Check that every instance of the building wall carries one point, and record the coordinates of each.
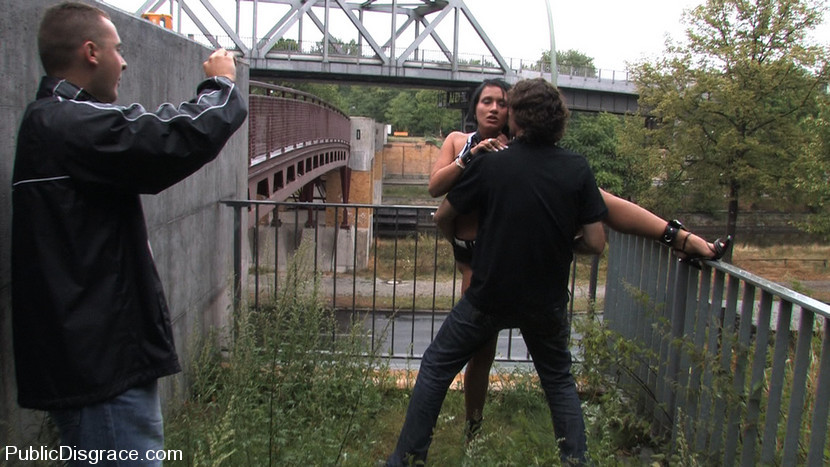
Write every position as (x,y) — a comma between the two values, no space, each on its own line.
(190,231)
(409,159)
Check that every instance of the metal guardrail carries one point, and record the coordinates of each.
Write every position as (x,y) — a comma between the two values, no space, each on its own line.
(727,364)
(293,138)
(388,268)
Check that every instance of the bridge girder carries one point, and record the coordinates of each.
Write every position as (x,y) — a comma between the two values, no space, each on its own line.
(422,18)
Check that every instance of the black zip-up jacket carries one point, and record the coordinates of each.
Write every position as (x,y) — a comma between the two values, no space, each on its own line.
(89,315)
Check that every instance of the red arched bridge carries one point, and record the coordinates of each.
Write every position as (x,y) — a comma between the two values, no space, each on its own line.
(294,138)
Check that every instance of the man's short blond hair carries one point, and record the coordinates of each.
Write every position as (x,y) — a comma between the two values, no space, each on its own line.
(63,29)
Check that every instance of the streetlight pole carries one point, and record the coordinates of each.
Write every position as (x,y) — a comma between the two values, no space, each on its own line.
(554,74)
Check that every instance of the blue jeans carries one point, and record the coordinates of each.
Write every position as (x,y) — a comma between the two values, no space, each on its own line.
(129,421)
(463,332)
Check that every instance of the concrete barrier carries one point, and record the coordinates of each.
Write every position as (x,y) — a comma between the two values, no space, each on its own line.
(189,230)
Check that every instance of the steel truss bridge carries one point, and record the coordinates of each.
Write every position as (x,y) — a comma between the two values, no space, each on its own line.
(414,43)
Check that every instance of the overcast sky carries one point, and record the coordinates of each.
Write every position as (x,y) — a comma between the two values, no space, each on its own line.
(612,32)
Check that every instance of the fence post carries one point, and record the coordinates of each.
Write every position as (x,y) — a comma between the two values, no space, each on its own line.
(237,257)
(677,304)
(592,288)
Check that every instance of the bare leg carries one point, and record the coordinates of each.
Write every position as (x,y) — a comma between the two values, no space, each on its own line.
(477,374)
(627,217)
(476,380)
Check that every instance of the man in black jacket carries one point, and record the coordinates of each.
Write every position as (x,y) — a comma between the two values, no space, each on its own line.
(91,325)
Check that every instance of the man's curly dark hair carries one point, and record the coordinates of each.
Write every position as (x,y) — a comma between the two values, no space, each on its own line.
(537,107)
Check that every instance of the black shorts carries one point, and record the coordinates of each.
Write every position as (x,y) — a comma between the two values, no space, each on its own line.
(462,250)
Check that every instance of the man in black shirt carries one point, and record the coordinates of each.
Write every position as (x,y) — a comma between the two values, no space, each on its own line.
(533,198)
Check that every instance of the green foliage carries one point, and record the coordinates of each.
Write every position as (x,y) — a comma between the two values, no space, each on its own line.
(290,378)
(417,112)
(286,45)
(329,93)
(401,111)
(367,101)
(569,62)
(729,106)
(595,137)
(337,47)
(609,382)
(292,386)
(810,173)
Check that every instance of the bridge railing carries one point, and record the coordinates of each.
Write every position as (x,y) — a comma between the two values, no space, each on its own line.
(485,63)
(281,120)
(737,366)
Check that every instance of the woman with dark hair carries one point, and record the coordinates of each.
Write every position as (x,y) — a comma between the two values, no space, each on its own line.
(489,112)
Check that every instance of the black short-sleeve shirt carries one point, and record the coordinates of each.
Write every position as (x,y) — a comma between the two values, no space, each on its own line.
(532,200)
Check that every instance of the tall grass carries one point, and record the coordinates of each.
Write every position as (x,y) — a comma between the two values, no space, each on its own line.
(426,255)
(290,388)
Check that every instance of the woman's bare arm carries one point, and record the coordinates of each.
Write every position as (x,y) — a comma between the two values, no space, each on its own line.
(444,172)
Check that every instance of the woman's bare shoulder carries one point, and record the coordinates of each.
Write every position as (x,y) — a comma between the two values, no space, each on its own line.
(456,139)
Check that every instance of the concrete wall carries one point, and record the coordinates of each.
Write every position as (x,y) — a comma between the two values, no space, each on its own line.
(189,230)
(405,159)
(362,144)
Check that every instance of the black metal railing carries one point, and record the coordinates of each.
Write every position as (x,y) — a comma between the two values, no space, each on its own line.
(384,265)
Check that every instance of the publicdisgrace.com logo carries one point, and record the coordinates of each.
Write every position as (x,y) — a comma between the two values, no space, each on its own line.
(91,456)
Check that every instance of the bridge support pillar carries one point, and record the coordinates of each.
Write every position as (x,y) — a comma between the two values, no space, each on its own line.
(307,196)
(345,183)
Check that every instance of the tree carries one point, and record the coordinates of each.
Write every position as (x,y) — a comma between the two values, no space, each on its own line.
(431,119)
(401,111)
(367,101)
(417,112)
(337,47)
(570,62)
(595,136)
(328,93)
(810,174)
(286,45)
(729,106)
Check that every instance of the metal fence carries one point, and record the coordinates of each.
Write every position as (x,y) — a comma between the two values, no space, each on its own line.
(383,265)
(736,366)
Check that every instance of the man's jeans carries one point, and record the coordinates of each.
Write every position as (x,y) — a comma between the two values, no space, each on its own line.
(129,421)
(463,332)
